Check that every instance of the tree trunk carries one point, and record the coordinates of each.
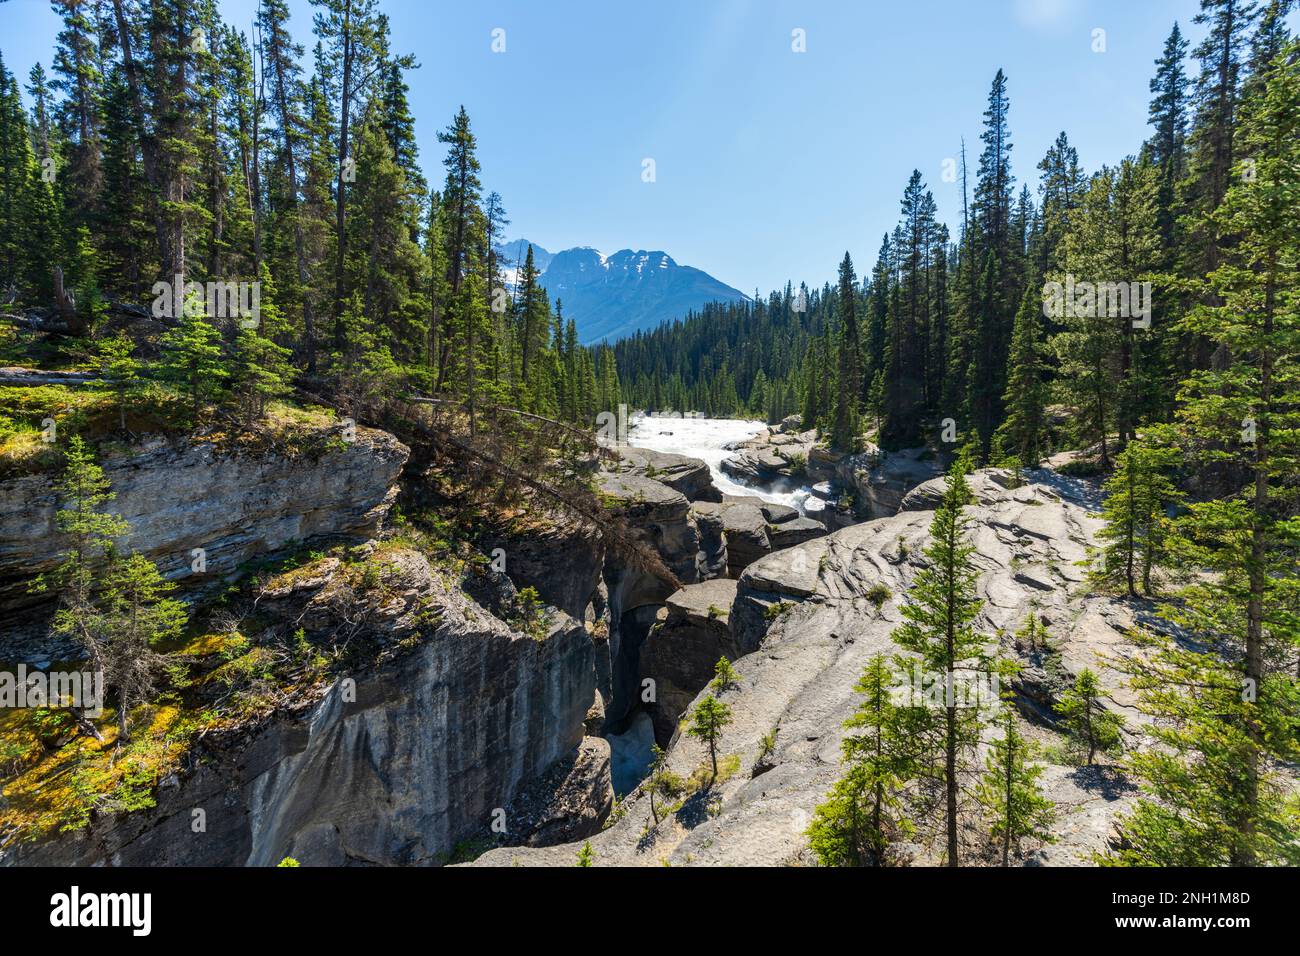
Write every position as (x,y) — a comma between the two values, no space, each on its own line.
(339,203)
(286,125)
(1007,783)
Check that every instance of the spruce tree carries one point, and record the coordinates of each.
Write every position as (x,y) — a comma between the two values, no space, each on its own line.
(91,532)
(140,615)
(938,628)
(259,372)
(1022,435)
(192,358)
(1009,790)
(1240,420)
(1092,728)
(1138,493)
(707,719)
(864,811)
(465,309)
(1168,115)
(1207,798)
(725,676)
(118,366)
(848,383)
(993,291)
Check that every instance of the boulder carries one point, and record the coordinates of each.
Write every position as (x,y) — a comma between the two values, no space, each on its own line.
(713,542)
(771,455)
(689,476)
(987,485)
(776,514)
(746,531)
(796,531)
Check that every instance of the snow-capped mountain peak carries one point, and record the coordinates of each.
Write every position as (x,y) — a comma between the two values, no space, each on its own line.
(612,296)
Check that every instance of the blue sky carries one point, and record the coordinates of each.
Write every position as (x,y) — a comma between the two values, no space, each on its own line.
(769,163)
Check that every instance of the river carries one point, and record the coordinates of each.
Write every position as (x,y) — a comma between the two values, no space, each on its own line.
(706,439)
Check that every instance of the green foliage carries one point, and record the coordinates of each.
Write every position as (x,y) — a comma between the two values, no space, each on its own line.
(707,720)
(724,676)
(1137,496)
(1201,804)
(531,613)
(116,364)
(1092,728)
(661,782)
(192,359)
(1226,713)
(1009,790)
(114,603)
(938,628)
(864,811)
(1033,634)
(1022,434)
(586,855)
(776,609)
(848,385)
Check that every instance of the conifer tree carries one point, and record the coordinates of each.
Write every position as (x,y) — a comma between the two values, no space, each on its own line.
(992,289)
(660,781)
(259,373)
(281,79)
(77,67)
(1138,493)
(123,221)
(113,604)
(83,491)
(725,676)
(1009,790)
(849,381)
(140,615)
(1092,728)
(938,628)
(707,719)
(1240,418)
(192,358)
(864,810)
(118,366)
(1088,346)
(1061,190)
(1168,115)
(1201,804)
(1022,434)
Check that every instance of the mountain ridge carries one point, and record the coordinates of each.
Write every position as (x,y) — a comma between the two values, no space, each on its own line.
(610,297)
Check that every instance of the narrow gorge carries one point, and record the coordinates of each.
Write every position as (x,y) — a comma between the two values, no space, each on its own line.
(457,718)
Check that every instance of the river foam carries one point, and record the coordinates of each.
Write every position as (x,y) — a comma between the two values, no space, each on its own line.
(707,439)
